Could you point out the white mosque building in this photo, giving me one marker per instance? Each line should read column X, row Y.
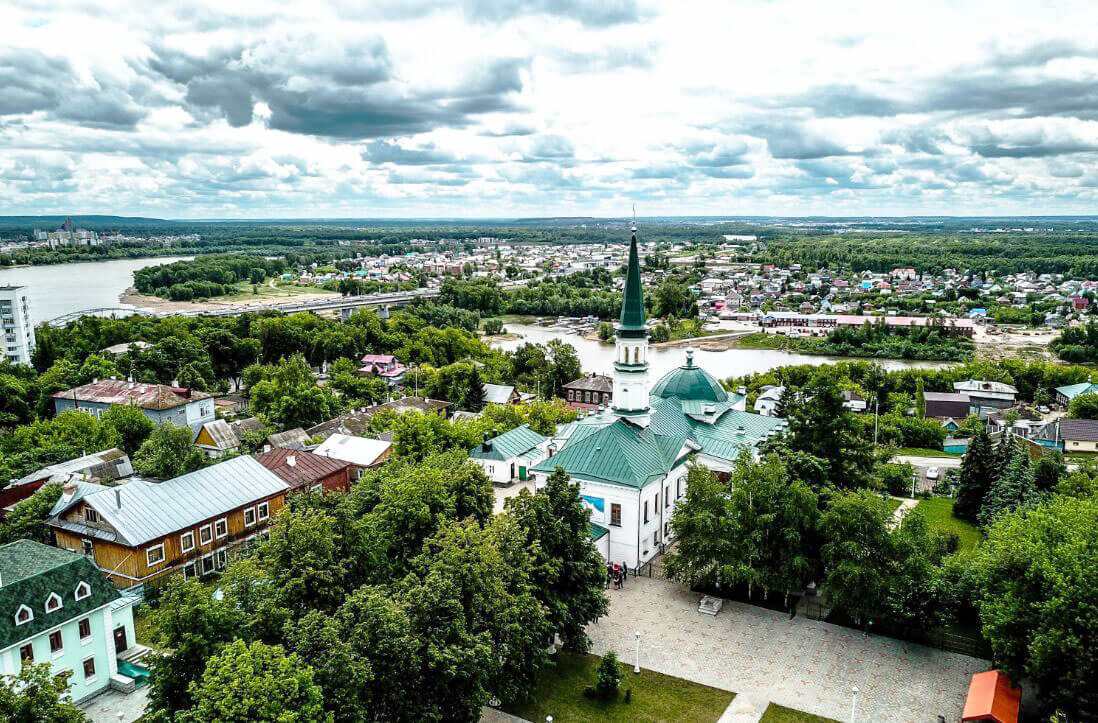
column 631, row 460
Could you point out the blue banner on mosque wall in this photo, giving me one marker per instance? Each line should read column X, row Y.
column 597, row 502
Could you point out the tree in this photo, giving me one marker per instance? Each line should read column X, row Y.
column 36, row 695
column 820, row 425
column 27, row 519
column 568, row 571
column 256, row 682
column 920, row 399
column 857, row 553
column 607, row 677
column 606, row 331
column 474, row 394
column 1049, row 470
column 1014, row 487
column 304, row 561
column 168, row 453
column 286, row 395
column 978, row 471
column 132, row 425
column 16, row 396
column 704, row 528
column 192, row 626
column 1084, row 406
column 1035, row 574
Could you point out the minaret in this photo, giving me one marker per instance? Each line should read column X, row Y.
column 631, row 347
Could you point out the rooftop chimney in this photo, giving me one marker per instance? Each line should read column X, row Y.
column 292, row 460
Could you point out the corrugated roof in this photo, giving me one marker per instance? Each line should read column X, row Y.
column 509, row 444
column 150, row 510
column 498, row 393
column 146, row 396
column 1082, row 430
column 108, row 464
column 358, row 422
column 295, row 437
column 307, row 467
column 592, row 383
column 222, row 434
column 1073, row 390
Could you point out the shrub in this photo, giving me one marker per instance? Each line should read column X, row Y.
column 493, row 326
column 608, row 677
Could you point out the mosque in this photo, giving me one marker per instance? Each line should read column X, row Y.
column 631, row 459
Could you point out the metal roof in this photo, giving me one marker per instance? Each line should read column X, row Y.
column 108, row 464
column 592, row 383
column 1080, row 430
column 141, row 511
column 498, row 393
column 356, row 450
column 120, row 391
column 222, row 434
column 294, row 438
column 1073, row 390
column 306, row 467
column 510, row 444
column 690, row 382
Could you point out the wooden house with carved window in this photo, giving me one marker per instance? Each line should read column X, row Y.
column 143, row 530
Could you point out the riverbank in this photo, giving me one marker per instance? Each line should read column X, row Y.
column 266, row 295
column 890, row 348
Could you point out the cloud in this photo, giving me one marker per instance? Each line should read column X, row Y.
column 795, row 141
column 549, row 148
column 387, row 152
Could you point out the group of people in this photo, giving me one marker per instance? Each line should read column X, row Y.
column 616, row 574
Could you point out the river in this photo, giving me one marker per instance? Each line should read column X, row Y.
column 595, row 356
column 60, row 289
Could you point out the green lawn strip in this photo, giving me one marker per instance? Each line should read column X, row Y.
column 780, row 714
column 939, row 514
column 893, row 504
column 143, row 625
column 924, row 452
column 656, row 697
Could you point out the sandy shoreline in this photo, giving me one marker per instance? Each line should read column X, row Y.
column 165, row 306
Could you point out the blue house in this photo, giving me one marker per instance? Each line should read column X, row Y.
column 160, row 402
column 56, row 608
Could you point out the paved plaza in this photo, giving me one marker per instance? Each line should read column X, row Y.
column 106, row 707
column 764, row 656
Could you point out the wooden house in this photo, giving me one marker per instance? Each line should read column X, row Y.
column 143, row 530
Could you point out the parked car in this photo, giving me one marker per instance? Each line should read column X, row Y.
column 1043, row 409
column 932, row 473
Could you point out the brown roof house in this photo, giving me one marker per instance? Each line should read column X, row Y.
column 357, row 422
column 942, row 405
column 1079, row 435
column 308, row 472
column 589, row 392
column 160, row 403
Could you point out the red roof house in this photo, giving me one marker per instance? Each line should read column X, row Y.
column 992, row 697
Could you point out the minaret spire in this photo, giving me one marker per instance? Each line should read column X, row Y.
column 631, row 345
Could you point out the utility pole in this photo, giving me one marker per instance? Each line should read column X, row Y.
column 876, row 408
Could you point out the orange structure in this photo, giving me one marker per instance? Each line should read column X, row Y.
column 992, row 697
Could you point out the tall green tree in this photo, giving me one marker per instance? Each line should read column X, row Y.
column 244, row 683
column 168, row 453
column 1035, row 576
column 287, row 395
column 568, row 572
column 1014, row 487
column 821, row 426
column 920, row 399
column 704, row 529
column 132, row 425
column 1049, row 470
column 857, row 553
column 978, row 471
column 1084, row 406
column 27, row 518
column 36, row 695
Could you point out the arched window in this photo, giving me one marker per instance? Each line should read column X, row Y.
column 636, row 354
column 83, row 590
column 53, row 602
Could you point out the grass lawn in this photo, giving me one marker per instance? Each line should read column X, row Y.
column 656, row 697
column 243, row 292
column 924, row 452
column 893, row 504
column 939, row 513
column 142, row 625
column 775, row 713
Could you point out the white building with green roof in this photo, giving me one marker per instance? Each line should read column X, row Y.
column 509, row 457
column 631, row 460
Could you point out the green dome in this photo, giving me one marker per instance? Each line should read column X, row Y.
column 690, row 382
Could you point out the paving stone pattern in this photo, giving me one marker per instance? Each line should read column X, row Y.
column 767, row 657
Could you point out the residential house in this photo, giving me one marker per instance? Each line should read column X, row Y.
column 217, row 439
column 1065, row 394
column 385, row 366
column 507, row 458
column 357, row 422
column 106, row 466
column 854, row 402
column 940, row 405
column 309, row 472
column 143, row 530
column 501, row 394
column 768, row 400
column 1078, row 435
column 295, row 438
column 362, row 452
column 56, row 608
column 987, row 394
column 589, row 391
column 160, row 403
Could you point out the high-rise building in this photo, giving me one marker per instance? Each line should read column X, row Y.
column 18, row 340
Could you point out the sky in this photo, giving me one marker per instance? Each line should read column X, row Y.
column 515, row 108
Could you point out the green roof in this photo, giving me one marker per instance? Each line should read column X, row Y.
column 690, row 382
column 509, row 444
column 596, row 532
column 1073, row 390
column 632, row 307
column 29, row 572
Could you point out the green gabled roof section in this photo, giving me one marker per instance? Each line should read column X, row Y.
column 1073, row 390
column 725, row 439
column 690, row 382
column 29, row 572
column 509, row 444
column 618, row 454
column 632, row 307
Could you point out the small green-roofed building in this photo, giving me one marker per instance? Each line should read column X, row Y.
column 508, row 457
column 56, row 607
column 1065, row 394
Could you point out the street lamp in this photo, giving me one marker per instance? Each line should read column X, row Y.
column 548, row 719
column 853, row 703
column 637, row 663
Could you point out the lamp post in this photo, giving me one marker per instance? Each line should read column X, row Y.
column 637, row 663
column 876, row 408
column 853, row 703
